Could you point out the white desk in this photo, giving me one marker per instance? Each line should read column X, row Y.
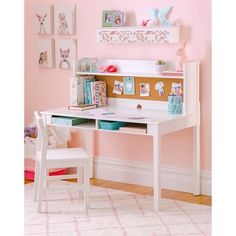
column 158, row 123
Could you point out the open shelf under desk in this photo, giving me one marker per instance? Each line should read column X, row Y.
column 122, row 132
column 89, row 125
column 122, row 127
column 92, row 126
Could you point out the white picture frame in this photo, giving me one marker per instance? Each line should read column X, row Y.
column 44, row 53
column 64, row 19
column 43, row 19
column 66, row 52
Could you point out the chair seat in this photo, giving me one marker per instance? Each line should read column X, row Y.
column 66, row 153
column 66, row 157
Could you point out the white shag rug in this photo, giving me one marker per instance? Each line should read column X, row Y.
column 112, row 213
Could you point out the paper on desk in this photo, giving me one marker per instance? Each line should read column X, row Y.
column 97, row 111
column 137, row 117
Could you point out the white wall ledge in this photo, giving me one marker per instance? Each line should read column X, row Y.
column 141, row 34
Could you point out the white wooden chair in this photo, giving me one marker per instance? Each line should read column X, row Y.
column 58, row 158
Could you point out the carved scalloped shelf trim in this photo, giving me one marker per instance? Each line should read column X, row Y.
column 148, row 35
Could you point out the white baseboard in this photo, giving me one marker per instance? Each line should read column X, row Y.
column 141, row 174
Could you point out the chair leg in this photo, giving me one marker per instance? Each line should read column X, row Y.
column 80, row 180
column 36, row 181
column 40, row 189
column 80, row 175
column 46, row 182
column 86, row 187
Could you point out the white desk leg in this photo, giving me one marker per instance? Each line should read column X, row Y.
column 156, row 167
column 196, row 160
column 90, row 148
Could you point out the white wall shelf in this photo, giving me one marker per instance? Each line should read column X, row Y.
column 131, row 74
column 141, row 34
column 134, row 68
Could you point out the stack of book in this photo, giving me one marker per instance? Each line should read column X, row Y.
column 77, row 91
column 82, row 107
column 85, row 90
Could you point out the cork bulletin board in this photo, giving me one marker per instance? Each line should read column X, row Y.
column 110, row 80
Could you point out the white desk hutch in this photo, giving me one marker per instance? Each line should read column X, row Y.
column 154, row 112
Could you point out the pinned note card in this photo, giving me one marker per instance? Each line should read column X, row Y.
column 129, row 85
column 144, row 89
column 159, row 86
column 118, row 87
column 176, row 89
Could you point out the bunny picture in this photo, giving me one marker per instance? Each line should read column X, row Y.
column 63, row 26
column 181, row 56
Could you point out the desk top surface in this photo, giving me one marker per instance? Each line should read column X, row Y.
column 143, row 116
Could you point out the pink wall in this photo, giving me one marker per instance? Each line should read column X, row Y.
column 49, row 88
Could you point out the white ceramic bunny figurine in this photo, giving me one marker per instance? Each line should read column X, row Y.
column 181, row 56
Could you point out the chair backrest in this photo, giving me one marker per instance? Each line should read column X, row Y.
column 42, row 139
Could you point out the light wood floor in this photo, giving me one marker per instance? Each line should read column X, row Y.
column 175, row 195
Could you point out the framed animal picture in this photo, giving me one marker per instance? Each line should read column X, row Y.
column 118, row 19
column 43, row 19
column 107, row 18
column 112, row 18
column 64, row 19
column 44, row 53
column 65, row 53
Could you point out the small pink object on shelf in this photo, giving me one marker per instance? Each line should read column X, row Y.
column 144, row 22
column 102, row 68
column 181, row 56
column 109, row 68
column 112, row 68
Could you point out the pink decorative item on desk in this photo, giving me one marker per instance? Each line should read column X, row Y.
column 181, row 56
